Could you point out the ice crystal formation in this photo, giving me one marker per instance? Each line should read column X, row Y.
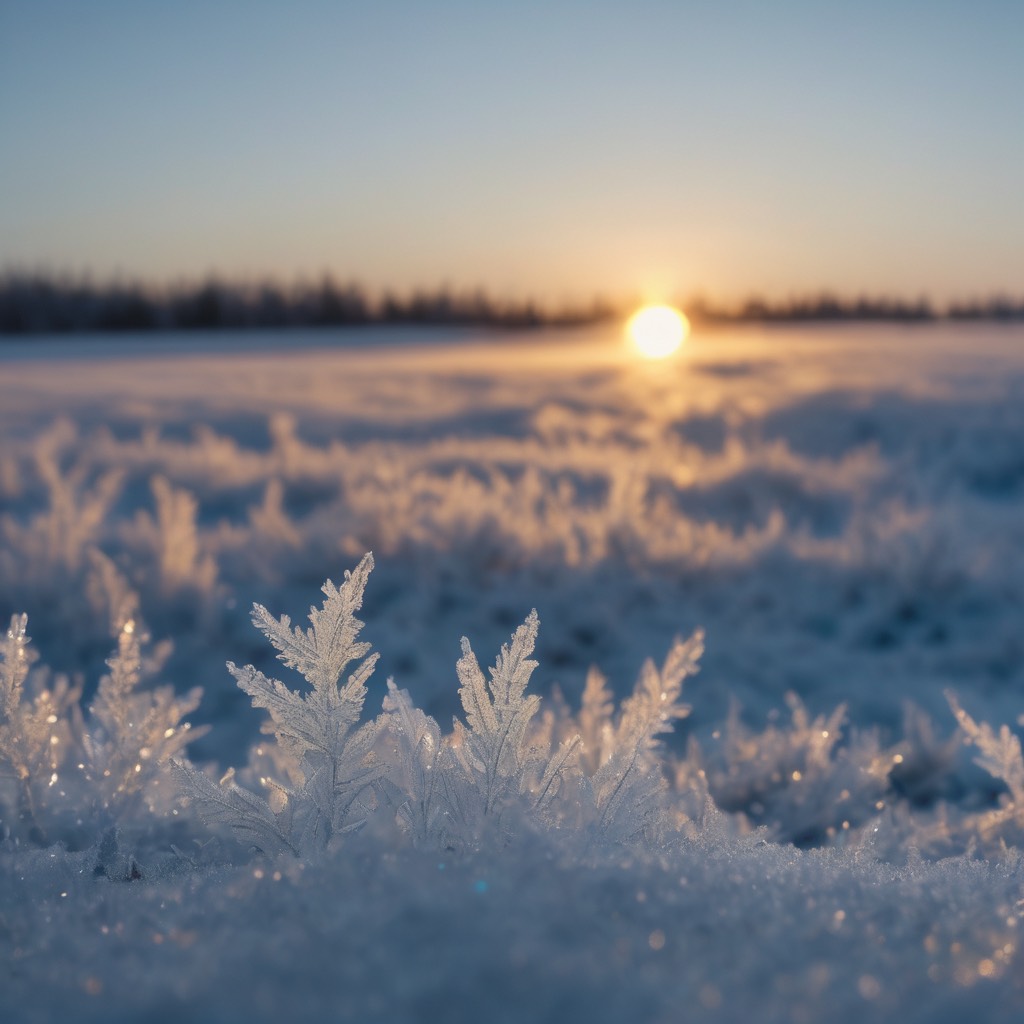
column 74, row 773
column 318, row 732
column 500, row 769
column 508, row 768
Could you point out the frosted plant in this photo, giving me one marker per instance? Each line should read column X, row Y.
column 425, row 764
column 332, row 754
column 46, row 559
column 17, row 656
column 506, row 760
column 36, row 731
column 132, row 734
column 248, row 815
column 595, row 722
column 175, row 539
column 271, row 521
column 799, row 780
column 926, row 761
column 289, row 455
column 629, row 786
column 1000, row 755
column 57, row 538
column 496, row 752
column 30, row 745
column 120, row 750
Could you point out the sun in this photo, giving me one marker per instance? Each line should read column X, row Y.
column 658, row 331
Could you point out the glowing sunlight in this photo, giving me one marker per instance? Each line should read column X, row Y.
column 657, row 331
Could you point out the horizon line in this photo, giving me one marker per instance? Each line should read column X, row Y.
column 47, row 301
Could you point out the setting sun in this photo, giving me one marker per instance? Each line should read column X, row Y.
column 658, row 331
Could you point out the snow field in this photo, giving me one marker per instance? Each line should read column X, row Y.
column 840, row 511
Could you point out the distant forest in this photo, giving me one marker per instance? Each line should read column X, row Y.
column 44, row 303
column 38, row 303
column 827, row 307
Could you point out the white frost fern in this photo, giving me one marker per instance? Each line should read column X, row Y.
column 319, row 730
column 425, row 763
column 132, row 734
column 24, row 732
column 495, row 751
column 629, row 786
column 48, row 748
column 499, row 769
column 1000, row 755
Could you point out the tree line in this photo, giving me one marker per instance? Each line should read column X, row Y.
column 41, row 303
column 826, row 307
column 46, row 303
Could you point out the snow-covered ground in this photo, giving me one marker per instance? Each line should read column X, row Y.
column 840, row 509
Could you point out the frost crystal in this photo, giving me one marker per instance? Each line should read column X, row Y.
column 629, row 785
column 425, row 764
column 331, row 757
column 132, row 733
column 497, row 752
column 120, row 749
column 35, row 731
column 1000, row 755
column 23, row 737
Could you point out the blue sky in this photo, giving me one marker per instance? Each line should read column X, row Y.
column 547, row 149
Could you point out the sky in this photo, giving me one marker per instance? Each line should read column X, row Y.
column 555, row 150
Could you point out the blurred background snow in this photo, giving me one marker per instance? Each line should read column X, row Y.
column 840, row 509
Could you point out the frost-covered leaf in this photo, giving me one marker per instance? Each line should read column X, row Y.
column 655, row 704
column 35, row 731
column 175, row 536
column 297, row 720
column 321, row 652
column 629, row 785
column 17, row 657
column 333, row 756
column 133, row 732
column 500, row 760
column 1000, row 755
column 424, row 761
column 22, row 739
column 76, row 772
column 498, row 714
column 248, row 816
column 561, row 763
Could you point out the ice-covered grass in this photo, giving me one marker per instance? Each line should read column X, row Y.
column 840, row 510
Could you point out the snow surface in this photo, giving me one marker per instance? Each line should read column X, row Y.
column 839, row 508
